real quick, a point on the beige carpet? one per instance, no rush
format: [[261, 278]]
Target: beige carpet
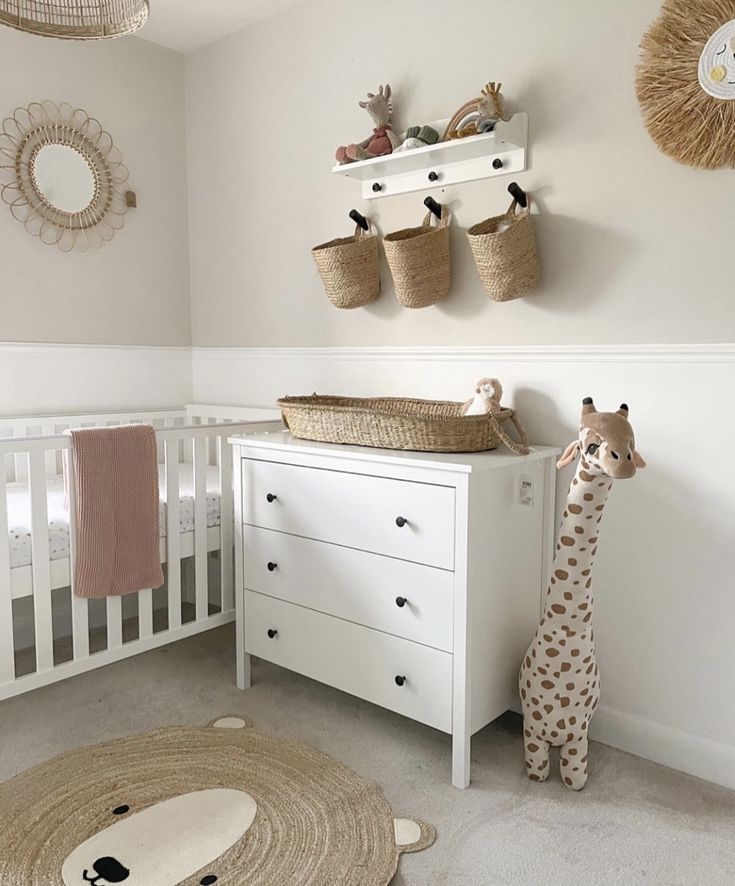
[[635, 823]]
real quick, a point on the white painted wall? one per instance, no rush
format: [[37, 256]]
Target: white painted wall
[[135, 289], [50, 379], [664, 606], [634, 247]]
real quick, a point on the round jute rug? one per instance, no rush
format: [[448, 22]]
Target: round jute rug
[[185, 806]]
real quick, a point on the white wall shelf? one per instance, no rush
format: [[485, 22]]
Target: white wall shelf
[[499, 152]]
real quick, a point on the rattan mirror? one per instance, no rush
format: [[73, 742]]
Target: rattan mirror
[[62, 176]]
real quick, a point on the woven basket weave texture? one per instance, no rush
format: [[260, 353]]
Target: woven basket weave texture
[[504, 249], [399, 423], [350, 269], [419, 262]]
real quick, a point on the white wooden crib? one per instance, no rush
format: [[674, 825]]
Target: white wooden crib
[[46, 632]]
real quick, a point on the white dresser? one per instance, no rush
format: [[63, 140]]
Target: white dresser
[[412, 580]]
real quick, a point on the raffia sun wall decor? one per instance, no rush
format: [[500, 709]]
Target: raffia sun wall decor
[[686, 82]]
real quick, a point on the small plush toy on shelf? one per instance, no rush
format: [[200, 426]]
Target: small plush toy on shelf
[[417, 137], [488, 393], [383, 140], [478, 115]]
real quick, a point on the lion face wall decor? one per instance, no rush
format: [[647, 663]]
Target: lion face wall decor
[[686, 82]]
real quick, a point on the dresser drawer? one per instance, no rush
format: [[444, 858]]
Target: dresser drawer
[[352, 509], [406, 599], [353, 658]]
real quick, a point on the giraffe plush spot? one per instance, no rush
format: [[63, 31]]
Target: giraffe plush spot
[[588, 478], [567, 540], [536, 715], [547, 684], [551, 652], [565, 666], [588, 496], [564, 702], [558, 608], [561, 574], [575, 509]]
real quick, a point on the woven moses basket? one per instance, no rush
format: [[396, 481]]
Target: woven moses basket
[[350, 269], [419, 262], [399, 423], [504, 249]]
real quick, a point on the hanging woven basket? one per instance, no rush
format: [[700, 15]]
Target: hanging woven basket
[[504, 249], [350, 268], [75, 19], [419, 262]]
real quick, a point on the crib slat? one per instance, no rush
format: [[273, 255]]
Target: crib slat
[[49, 430], [41, 569], [226, 517], [114, 622], [200, 527], [145, 614], [79, 606], [7, 657], [173, 539]]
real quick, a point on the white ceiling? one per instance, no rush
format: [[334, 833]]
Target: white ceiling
[[186, 24]]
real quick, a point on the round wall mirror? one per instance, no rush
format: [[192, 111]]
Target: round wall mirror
[[61, 175], [64, 177]]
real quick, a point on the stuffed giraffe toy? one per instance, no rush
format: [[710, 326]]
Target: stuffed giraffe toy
[[559, 679]]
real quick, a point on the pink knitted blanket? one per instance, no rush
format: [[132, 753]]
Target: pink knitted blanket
[[117, 528]]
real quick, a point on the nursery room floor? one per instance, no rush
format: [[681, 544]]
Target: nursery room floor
[[635, 823]]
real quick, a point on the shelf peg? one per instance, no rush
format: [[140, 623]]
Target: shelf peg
[[517, 193], [436, 208], [359, 219]]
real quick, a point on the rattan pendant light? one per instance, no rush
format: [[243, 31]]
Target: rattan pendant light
[[75, 19]]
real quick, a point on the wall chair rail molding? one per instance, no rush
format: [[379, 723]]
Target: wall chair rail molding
[[655, 353]]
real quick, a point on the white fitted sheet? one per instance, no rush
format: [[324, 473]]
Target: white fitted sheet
[[19, 512]]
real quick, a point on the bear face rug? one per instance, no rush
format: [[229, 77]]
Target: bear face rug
[[197, 806]]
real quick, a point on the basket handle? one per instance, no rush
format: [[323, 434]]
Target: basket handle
[[513, 208], [361, 232], [520, 448], [440, 223]]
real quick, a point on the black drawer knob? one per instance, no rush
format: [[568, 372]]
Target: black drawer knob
[[272, 632], [400, 680], [272, 566], [433, 176], [401, 602], [377, 187], [401, 522], [497, 163], [270, 497]]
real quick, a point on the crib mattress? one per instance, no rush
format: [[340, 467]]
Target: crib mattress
[[19, 513]]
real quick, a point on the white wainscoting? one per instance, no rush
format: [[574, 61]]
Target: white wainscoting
[[664, 581], [57, 378]]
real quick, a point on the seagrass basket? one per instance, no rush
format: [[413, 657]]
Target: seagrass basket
[[504, 249], [419, 262], [350, 269], [399, 423]]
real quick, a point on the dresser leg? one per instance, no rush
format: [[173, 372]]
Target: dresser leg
[[243, 671], [461, 759]]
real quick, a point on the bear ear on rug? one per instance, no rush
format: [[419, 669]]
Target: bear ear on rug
[[413, 834], [233, 722]]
